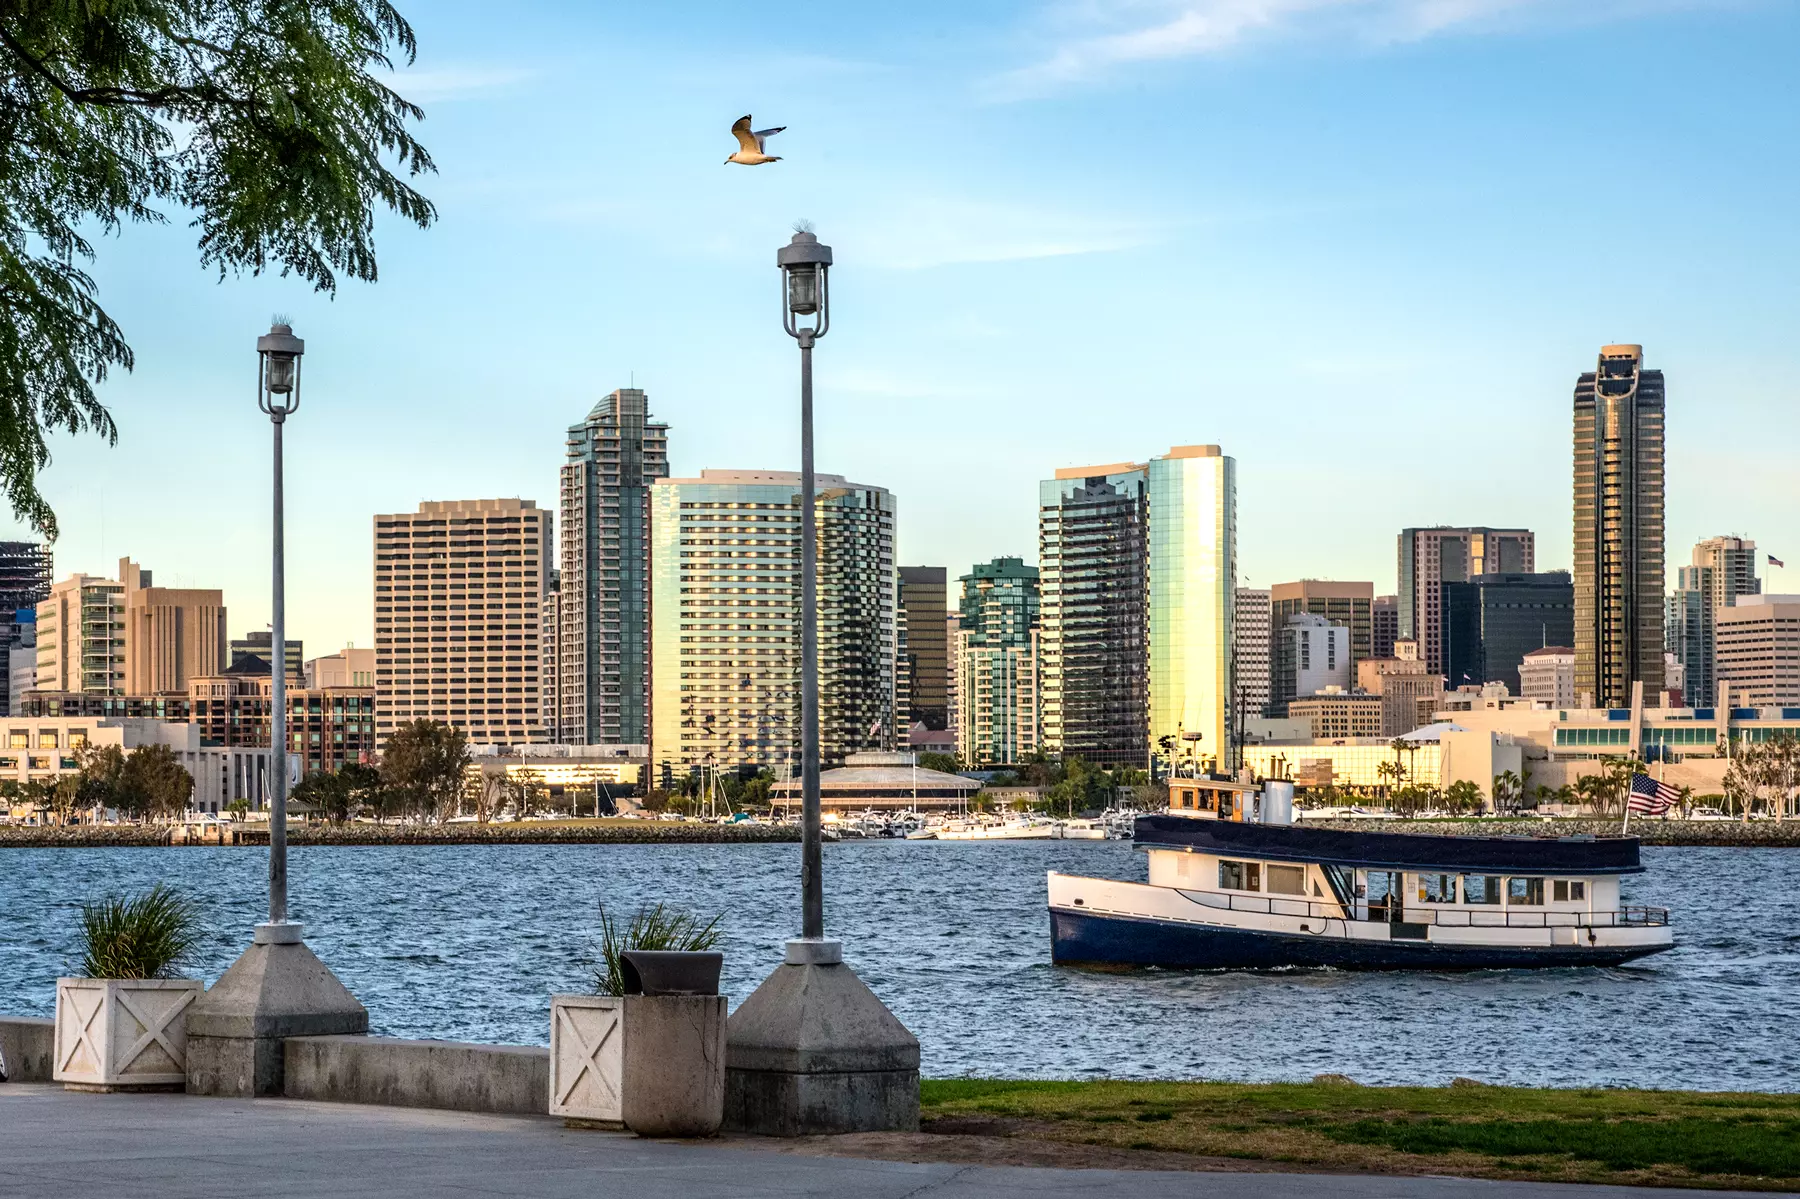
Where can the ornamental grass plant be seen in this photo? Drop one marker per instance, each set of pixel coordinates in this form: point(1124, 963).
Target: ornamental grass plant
point(655, 928)
point(150, 935)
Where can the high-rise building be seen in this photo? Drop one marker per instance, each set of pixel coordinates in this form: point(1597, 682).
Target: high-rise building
point(1349, 606)
point(459, 588)
point(1619, 457)
point(260, 644)
point(1429, 558)
point(1409, 690)
point(349, 667)
point(614, 456)
point(725, 620)
point(1722, 569)
point(1492, 621)
point(1250, 619)
point(1311, 654)
point(172, 634)
point(1384, 626)
point(924, 601)
point(1759, 651)
point(1093, 555)
point(550, 654)
point(1549, 674)
point(24, 584)
point(996, 662)
point(81, 637)
point(1192, 594)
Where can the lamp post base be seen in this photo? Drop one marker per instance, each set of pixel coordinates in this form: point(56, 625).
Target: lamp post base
point(277, 989)
point(812, 1050)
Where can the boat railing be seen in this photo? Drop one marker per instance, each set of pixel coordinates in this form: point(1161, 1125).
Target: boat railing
point(1462, 916)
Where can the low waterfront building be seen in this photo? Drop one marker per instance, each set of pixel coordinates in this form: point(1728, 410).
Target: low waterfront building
point(881, 781)
point(571, 776)
point(44, 748)
point(1335, 712)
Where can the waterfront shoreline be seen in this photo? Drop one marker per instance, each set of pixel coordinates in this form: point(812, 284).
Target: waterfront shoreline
point(1722, 834)
point(622, 832)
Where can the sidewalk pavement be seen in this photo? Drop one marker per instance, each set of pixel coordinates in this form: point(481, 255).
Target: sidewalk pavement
point(56, 1143)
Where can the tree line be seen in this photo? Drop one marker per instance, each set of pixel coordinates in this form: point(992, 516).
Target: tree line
point(149, 783)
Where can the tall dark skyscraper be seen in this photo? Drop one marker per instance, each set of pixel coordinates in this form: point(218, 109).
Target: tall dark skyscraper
point(1492, 621)
point(24, 584)
point(604, 599)
point(1619, 462)
point(924, 605)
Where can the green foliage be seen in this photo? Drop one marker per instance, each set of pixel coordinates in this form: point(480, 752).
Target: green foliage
point(948, 763)
point(153, 783)
point(101, 768)
point(261, 118)
point(144, 936)
point(1464, 795)
point(422, 770)
point(655, 928)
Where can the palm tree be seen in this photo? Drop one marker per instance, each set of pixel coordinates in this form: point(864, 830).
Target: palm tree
point(1507, 790)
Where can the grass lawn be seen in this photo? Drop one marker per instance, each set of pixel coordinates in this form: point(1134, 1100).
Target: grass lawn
point(1654, 1138)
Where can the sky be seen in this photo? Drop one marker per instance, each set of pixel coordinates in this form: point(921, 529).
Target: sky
point(1366, 246)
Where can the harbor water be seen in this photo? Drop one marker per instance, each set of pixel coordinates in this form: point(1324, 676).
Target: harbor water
point(469, 942)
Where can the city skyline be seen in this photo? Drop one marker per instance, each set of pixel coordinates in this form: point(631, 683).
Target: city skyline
point(1329, 229)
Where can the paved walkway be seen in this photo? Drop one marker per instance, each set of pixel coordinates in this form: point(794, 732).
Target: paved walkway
point(55, 1143)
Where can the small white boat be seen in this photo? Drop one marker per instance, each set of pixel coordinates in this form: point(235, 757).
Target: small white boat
point(1079, 830)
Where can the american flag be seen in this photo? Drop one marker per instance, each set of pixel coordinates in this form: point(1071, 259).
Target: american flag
point(1651, 798)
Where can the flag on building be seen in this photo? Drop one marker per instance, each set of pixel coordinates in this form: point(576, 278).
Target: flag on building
point(1774, 561)
point(1650, 797)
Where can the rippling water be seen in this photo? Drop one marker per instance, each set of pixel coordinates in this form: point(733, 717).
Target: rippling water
point(468, 943)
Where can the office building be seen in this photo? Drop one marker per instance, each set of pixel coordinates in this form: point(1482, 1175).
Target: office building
point(1093, 558)
point(1250, 619)
point(1335, 712)
point(1431, 557)
point(172, 634)
point(1408, 689)
point(1721, 569)
point(1618, 493)
point(42, 749)
point(1758, 660)
point(925, 664)
point(1350, 606)
point(1548, 674)
point(550, 654)
point(349, 667)
point(24, 584)
point(1492, 621)
point(1192, 594)
point(996, 662)
point(459, 589)
point(725, 620)
point(614, 456)
point(260, 645)
point(1311, 654)
point(21, 657)
point(81, 636)
point(1384, 626)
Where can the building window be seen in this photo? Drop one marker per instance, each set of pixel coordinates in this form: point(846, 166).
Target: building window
point(1570, 890)
point(1525, 892)
point(1287, 880)
point(1437, 888)
point(1481, 888)
point(1240, 876)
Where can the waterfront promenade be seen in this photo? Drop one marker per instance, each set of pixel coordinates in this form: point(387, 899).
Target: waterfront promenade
point(58, 1143)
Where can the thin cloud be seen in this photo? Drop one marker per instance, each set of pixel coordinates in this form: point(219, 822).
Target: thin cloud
point(1101, 37)
point(456, 82)
point(942, 232)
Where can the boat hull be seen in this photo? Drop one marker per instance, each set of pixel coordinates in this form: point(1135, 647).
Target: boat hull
point(1095, 939)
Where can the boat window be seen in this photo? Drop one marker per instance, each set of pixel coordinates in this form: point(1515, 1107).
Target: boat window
point(1481, 888)
point(1240, 876)
point(1569, 890)
point(1437, 888)
point(1287, 880)
point(1525, 892)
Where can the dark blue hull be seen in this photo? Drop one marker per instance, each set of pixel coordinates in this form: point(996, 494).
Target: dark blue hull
point(1088, 939)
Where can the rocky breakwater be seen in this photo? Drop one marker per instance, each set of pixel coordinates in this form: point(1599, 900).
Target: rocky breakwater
point(623, 832)
point(1763, 833)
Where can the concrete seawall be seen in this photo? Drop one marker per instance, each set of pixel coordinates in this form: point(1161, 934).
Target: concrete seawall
point(440, 1074)
point(1720, 833)
point(28, 1046)
point(630, 832)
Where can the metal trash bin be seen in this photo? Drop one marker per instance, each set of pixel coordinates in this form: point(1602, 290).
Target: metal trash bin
point(668, 972)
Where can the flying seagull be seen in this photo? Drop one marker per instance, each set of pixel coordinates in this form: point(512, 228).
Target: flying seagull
point(750, 144)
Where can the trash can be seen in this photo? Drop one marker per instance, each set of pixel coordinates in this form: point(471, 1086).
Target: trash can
point(673, 1072)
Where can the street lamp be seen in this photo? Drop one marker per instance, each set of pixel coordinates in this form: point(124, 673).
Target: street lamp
point(805, 266)
point(278, 395)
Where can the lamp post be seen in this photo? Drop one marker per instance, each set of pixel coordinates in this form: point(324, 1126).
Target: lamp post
point(806, 315)
point(278, 395)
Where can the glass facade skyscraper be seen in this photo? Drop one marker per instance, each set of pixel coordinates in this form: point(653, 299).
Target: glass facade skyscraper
point(1192, 592)
point(996, 665)
point(1093, 557)
point(1492, 621)
point(1619, 458)
point(725, 620)
point(603, 601)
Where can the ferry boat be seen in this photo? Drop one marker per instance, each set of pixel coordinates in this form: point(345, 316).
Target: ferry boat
point(1235, 884)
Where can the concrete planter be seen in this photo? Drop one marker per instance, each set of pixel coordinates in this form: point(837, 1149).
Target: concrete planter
point(116, 1034)
point(652, 1063)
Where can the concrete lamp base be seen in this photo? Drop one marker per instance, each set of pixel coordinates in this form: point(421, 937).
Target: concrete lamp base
point(812, 1050)
point(276, 990)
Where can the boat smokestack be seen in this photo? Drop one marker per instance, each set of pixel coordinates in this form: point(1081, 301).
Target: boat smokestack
point(1277, 802)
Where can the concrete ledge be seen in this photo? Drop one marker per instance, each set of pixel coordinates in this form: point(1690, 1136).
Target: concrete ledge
point(28, 1046)
point(441, 1074)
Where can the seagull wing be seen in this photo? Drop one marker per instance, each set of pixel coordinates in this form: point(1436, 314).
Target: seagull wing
point(747, 141)
point(763, 135)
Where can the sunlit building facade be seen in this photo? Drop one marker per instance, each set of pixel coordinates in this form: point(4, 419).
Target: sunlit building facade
point(996, 663)
point(725, 620)
point(1192, 592)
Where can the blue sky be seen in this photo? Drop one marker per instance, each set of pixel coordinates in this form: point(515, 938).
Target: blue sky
point(1365, 245)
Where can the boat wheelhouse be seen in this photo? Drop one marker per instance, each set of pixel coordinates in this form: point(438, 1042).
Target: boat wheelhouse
point(1227, 892)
